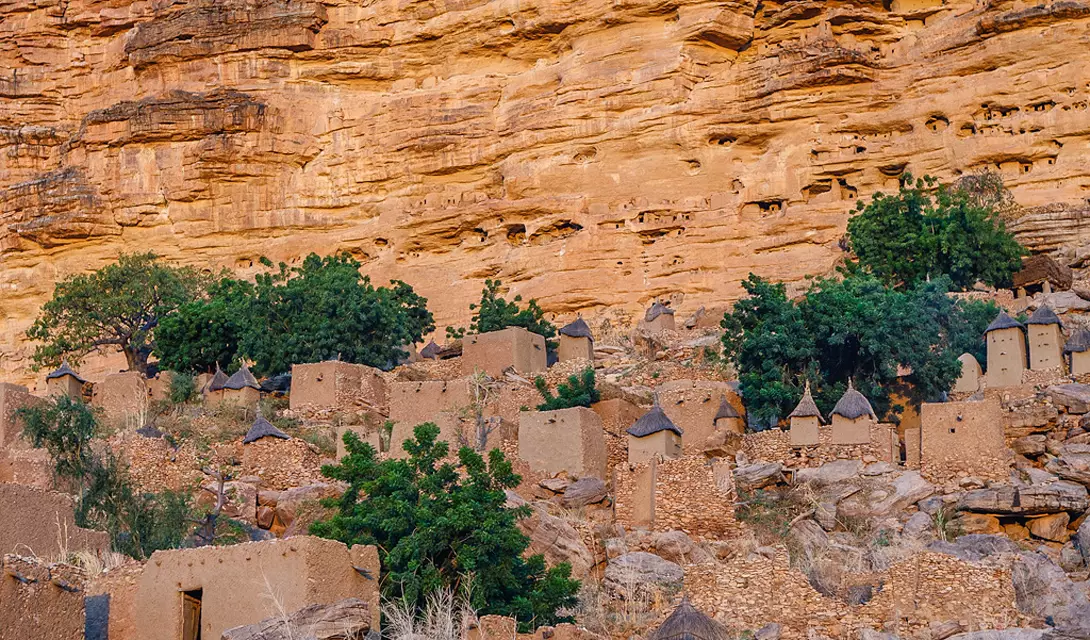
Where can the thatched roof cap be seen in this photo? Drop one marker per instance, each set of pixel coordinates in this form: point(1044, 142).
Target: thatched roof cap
point(64, 370)
point(657, 310)
point(807, 408)
point(653, 421)
point(430, 351)
point(726, 410)
point(1003, 321)
point(853, 405)
point(688, 623)
point(262, 428)
point(241, 379)
point(1044, 315)
point(218, 379)
point(576, 329)
point(1079, 341)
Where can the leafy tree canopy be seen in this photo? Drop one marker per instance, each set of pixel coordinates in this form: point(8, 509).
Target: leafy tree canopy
point(443, 525)
point(119, 305)
point(851, 328)
point(578, 391)
point(494, 313)
point(927, 231)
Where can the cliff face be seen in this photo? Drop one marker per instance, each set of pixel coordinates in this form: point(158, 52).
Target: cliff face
point(591, 153)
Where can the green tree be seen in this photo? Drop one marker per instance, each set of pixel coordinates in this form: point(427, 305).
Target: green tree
point(494, 313)
point(119, 305)
point(927, 231)
point(206, 332)
point(578, 391)
point(438, 524)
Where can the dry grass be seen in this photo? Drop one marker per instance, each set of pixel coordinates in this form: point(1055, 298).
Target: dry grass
point(445, 616)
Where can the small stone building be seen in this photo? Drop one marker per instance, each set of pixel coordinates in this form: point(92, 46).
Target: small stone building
point(565, 440)
point(576, 342)
point(693, 405)
point(262, 428)
point(185, 594)
point(805, 421)
point(852, 418)
point(1006, 351)
point(40, 522)
point(64, 381)
point(969, 379)
point(688, 623)
point(241, 389)
point(213, 391)
point(693, 493)
point(336, 386)
point(123, 398)
point(495, 351)
point(960, 439)
point(1078, 350)
point(442, 402)
point(728, 419)
point(658, 318)
point(1045, 340)
point(653, 436)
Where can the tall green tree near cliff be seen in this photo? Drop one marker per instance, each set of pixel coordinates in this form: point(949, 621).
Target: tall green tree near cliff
point(494, 313)
point(928, 231)
point(119, 306)
point(443, 525)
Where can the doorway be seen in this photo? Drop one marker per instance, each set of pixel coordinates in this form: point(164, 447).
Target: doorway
point(191, 614)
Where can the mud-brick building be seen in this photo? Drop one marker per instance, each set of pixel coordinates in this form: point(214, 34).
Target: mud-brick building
point(654, 435)
point(658, 318)
point(805, 421)
point(959, 439)
point(568, 441)
point(64, 381)
point(576, 341)
point(852, 418)
point(1006, 351)
point(336, 387)
point(1078, 352)
point(42, 523)
point(495, 351)
point(1045, 339)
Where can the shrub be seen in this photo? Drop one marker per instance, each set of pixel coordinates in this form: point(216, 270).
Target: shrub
point(579, 391)
point(183, 388)
point(440, 525)
point(493, 313)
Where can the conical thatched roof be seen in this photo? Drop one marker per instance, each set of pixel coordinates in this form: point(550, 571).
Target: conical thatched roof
point(653, 421)
point(576, 329)
point(64, 370)
point(807, 408)
point(853, 405)
point(726, 410)
point(657, 310)
point(1003, 321)
point(262, 428)
point(218, 379)
point(241, 379)
point(1044, 315)
point(688, 623)
point(1079, 341)
point(430, 351)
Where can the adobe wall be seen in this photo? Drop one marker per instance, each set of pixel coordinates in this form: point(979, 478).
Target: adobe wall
point(123, 399)
point(367, 433)
point(438, 401)
point(64, 386)
point(575, 348)
point(805, 431)
point(247, 583)
point(39, 522)
point(969, 379)
point(752, 590)
point(666, 444)
point(1045, 346)
point(1006, 357)
point(281, 463)
point(244, 398)
point(774, 445)
point(115, 609)
point(335, 386)
point(692, 494)
point(844, 431)
point(565, 440)
point(692, 405)
point(1080, 362)
point(40, 607)
point(959, 439)
point(12, 398)
point(664, 322)
point(617, 416)
point(494, 351)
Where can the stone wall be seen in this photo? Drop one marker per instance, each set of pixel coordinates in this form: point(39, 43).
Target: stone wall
point(774, 445)
point(40, 600)
point(692, 405)
point(281, 463)
point(692, 494)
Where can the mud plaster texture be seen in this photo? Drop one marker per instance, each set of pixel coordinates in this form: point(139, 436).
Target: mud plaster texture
point(38, 522)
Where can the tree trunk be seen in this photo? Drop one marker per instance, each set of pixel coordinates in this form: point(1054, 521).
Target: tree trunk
point(137, 360)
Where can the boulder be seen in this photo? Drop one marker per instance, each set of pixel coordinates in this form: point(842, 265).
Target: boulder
point(1082, 540)
point(879, 500)
point(758, 475)
point(640, 572)
point(583, 492)
point(1075, 397)
point(945, 629)
point(1032, 445)
point(240, 499)
point(290, 501)
point(557, 540)
point(1071, 465)
point(556, 485)
point(1030, 419)
point(1070, 558)
point(1042, 589)
point(975, 547)
point(918, 525)
point(1064, 301)
point(678, 547)
point(266, 516)
point(829, 473)
point(1032, 500)
point(770, 631)
point(348, 618)
point(981, 523)
point(1051, 527)
point(1001, 634)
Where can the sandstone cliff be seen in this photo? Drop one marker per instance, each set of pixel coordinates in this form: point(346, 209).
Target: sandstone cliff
point(592, 154)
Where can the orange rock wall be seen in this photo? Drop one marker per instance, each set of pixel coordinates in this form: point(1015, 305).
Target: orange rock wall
point(591, 154)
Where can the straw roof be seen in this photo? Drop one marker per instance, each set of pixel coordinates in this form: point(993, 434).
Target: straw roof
point(576, 329)
point(726, 410)
point(1044, 315)
point(1079, 341)
point(657, 310)
point(262, 428)
point(853, 405)
point(651, 422)
point(241, 379)
point(1003, 321)
point(430, 351)
point(218, 379)
point(807, 408)
point(64, 370)
point(688, 623)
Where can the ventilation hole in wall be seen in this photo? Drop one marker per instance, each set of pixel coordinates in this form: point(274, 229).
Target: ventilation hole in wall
point(967, 129)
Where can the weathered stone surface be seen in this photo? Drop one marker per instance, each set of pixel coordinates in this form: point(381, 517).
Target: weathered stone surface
point(678, 547)
point(1074, 397)
point(1051, 527)
point(619, 146)
point(975, 547)
point(639, 571)
point(1082, 539)
point(979, 523)
point(1072, 465)
point(583, 492)
point(557, 540)
point(758, 475)
point(349, 618)
point(1043, 589)
point(830, 472)
point(1001, 634)
point(1033, 445)
point(1032, 500)
point(882, 499)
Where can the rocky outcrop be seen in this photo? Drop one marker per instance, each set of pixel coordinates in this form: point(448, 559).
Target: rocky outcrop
point(348, 618)
point(591, 154)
